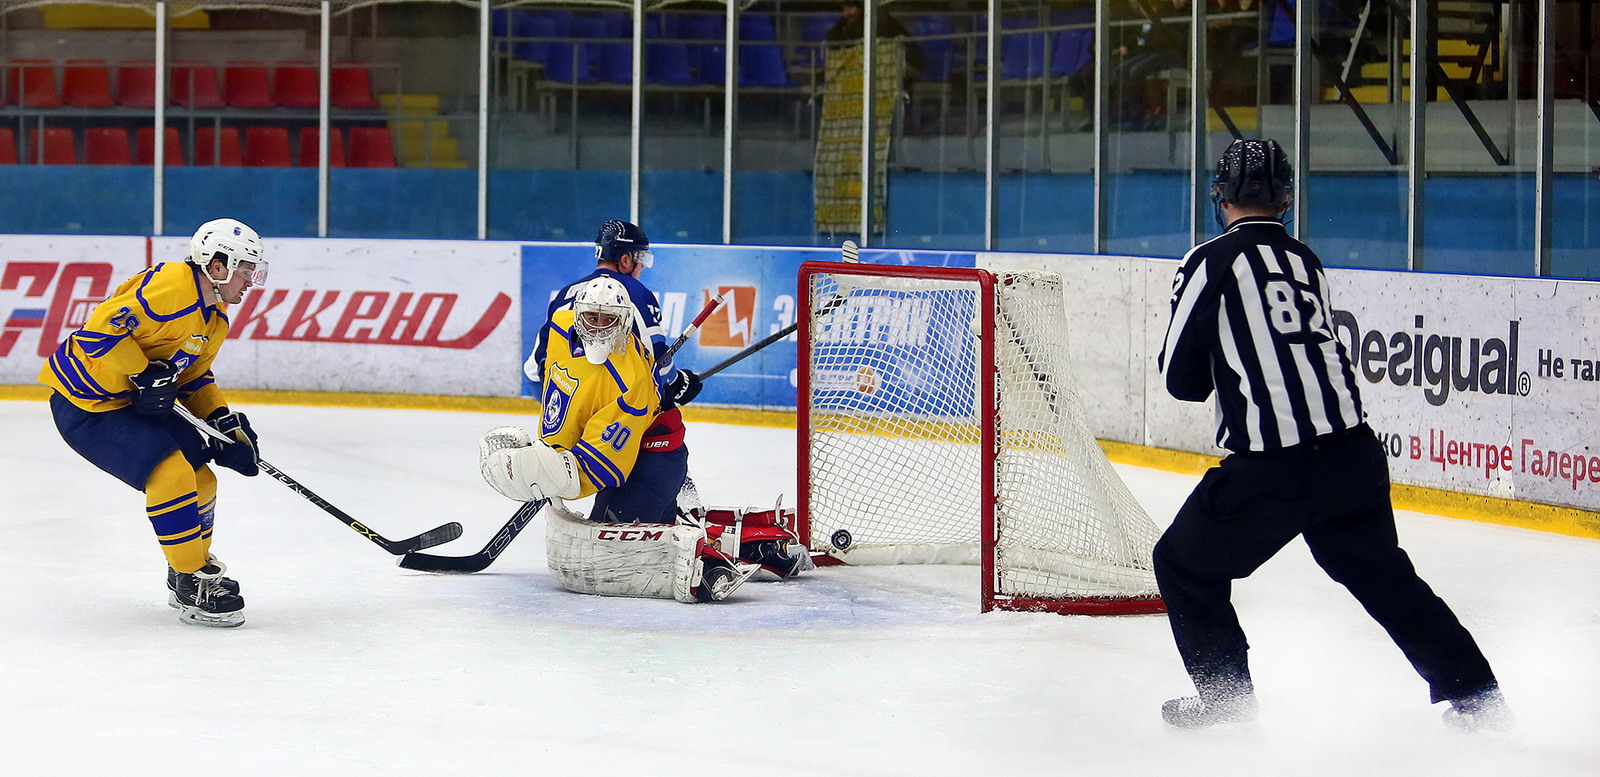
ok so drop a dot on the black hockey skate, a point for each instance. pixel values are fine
(1194, 712)
(206, 597)
(213, 566)
(780, 557)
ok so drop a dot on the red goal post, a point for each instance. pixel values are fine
(938, 422)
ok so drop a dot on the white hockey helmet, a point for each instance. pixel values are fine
(232, 242)
(602, 319)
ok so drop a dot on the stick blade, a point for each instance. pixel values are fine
(436, 536)
(427, 562)
(850, 252)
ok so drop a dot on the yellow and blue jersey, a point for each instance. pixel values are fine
(161, 313)
(598, 412)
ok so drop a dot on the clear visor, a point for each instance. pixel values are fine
(644, 257)
(255, 271)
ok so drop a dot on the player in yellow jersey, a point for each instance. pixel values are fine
(600, 397)
(149, 344)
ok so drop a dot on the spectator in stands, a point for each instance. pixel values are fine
(850, 28)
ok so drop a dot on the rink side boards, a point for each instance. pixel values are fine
(1472, 507)
(1481, 388)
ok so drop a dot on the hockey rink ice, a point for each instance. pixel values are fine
(349, 665)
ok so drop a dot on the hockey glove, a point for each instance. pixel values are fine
(241, 455)
(682, 389)
(156, 388)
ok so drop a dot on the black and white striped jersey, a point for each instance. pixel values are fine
(1250, 324)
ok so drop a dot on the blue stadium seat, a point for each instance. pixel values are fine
(812, 50)
(666, 60)
(1021, 53)
(532, 24)
(1071, 51)
(706, 33)
(761, 60)
(937, 55)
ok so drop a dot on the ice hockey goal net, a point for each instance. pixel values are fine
(939, 422)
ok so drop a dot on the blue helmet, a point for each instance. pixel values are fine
(617, 237)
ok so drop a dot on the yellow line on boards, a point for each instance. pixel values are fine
(1472, 507)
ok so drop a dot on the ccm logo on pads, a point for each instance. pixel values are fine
(630, 535)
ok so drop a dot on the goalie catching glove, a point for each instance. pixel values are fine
(525, 469)
(242, 454)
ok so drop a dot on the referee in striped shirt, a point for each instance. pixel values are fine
(1250, 330)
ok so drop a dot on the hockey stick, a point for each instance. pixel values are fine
(435, 536)
(847, 253)
(477, 562)
(705, 313)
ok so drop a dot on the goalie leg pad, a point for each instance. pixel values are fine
(612, 559)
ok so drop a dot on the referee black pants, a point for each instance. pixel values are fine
(1334, 491)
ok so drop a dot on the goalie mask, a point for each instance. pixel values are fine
(602, 318)
(234, 244)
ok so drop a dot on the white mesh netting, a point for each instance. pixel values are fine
(895, 422)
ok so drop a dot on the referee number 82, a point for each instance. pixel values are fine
(1295, 310)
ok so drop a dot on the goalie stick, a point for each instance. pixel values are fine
(848, 253)
(435, 536)
(477, 562)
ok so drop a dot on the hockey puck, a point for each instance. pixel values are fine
(841, 539)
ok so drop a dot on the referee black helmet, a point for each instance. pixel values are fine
(1253, 172)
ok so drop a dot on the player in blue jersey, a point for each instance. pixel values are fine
(622, 252)
(148, 345)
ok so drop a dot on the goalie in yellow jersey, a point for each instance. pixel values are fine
(148, 345)
(600, 398)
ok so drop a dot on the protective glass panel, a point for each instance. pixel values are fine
(1575, 190)
(1250, 66)
(1478, 204)
(936, 196)
(1147, 134)
(560, 131)
(242, 85)
(68, 142)
(781, 98)
(1045, 152)
(1356, 187)
(681, 149)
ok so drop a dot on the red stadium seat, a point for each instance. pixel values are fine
(86, 83)
(371, 147)
(209, 151)
(8, 146)
(296, 85)
(106, 146)
(267, 147)
(145, 147)
(308, 147)
(247, 85)
(195, 86)
(32, 83)
(59, 147)
(350, 86)
(136, 85)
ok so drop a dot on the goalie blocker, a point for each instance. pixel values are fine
(703, 558)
